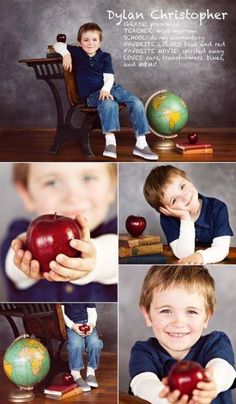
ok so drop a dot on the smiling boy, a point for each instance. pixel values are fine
(187, 217)
(177, 303)
(95, 81)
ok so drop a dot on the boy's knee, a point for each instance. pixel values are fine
(108, 105)
(138, 104)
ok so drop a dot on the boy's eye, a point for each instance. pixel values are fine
(173, 201)
(88, 178)
(52, 183)
(182, 186)
(192, 311)
(165, 311)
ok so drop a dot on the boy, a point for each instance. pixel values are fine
(95, 81)
(188, 217)
(78, 342)
(178, 302)
(83, 191)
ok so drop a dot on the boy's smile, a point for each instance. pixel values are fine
(90, 42)
(178, 317)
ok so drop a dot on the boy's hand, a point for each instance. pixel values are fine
(23, 258)
(90, 329)
(179, 214)
(65, 269)
(105, 95)
(194, 259)
(172, 396)
(75, 327)
(67, 62)
(206, 391)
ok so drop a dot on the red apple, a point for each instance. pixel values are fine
(193, 138)
(135, 225)
(184, 376)
(84, 328)
(67, 379)
(61, 38)
(49, 235)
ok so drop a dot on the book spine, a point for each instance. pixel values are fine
(197, 151)
(138, 242)
(141, 250)
(193, 147)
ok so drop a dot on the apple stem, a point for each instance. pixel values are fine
(55, 215)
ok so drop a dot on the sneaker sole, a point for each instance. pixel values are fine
(93, 385)
(144, 156)
(84, 389)
(109, 154)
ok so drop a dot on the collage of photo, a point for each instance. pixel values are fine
(118, 216)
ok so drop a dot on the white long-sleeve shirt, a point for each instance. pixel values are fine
(92, 317)
(148, 386)
(185, 245)
(105, 271)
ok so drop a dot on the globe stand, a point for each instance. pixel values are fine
(21, 396)
(164, 144)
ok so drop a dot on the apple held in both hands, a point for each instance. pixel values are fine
(135, 225)
(49, 235)
(84, 328)
(184, 376)
(67, 379)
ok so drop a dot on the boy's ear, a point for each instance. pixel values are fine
(25, 197)
(146, 316)
(208, 317)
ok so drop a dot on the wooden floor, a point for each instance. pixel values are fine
(33, 145)
(105, 394)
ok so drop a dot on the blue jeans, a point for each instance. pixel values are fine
(77, 344)
(108, 110)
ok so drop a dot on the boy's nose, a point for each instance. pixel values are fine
(178, 320)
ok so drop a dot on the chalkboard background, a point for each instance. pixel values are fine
(28, 27)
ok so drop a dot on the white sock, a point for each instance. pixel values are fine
(141, 142)
(110, 138)
(76, 374)
(90, 371)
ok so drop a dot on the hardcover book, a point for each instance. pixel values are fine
(204, 150)
(70, 393)
(59, 389)
(141, 250)
(126, 240)
(193, 146)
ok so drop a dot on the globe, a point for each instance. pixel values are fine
(26, 362)
(167, 113)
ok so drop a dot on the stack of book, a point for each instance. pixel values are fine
(197, 148)
(145, 249)
(61, 392)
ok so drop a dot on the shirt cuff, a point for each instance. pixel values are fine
(61, 47)
(106, 268)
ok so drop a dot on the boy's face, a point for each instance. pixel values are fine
(180, 194)
(90, 42)
(69, 189)
(178, 318)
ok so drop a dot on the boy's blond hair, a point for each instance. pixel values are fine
(20, 173)
(194, 278)
(89, 26)
(157, 181)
